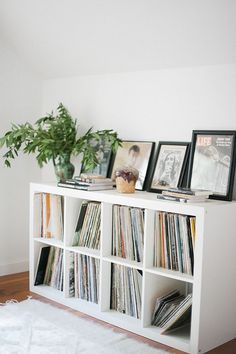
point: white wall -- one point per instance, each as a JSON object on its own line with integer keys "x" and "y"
{"x": 164, "y": 104}
{"x": 20, "y": 93}
{"x": 108, "y": 36}
{"x": 151, "y": 105}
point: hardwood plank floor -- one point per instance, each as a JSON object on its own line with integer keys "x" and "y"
{"x": 16, "y": 286}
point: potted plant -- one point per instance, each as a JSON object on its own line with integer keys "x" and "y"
{"x": 54, "y": 138}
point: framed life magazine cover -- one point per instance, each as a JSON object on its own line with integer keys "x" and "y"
{"x": 104, "y": 155}
{"x": 169, "y": 168}
{"x": 212, "y": 162}
{"x": 134, "y": 154}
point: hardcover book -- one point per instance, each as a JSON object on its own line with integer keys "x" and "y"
{"x": 189, "y": 191}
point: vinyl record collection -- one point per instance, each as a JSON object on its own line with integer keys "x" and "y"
{"x": 174, "y": 242}
{"x": 87, "y": 233}
{"x": 127, "y": 232}
{"x": 84, "y": 277}
{"x": 126, "y": 290}
{"x": 48, "y": 216}
{"x": 50, "y": 267}
{"x": 172, "y": 311}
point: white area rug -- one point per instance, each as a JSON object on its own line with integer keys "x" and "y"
{"x": 33, "y": 327}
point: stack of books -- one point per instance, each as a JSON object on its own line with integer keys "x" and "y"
{"x": 88, "y": 183}
{"x": 185, "y": 195}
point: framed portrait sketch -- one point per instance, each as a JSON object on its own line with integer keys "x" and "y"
{"x": 170, "y": 165}
{"x": 212, "y": 162}
{"x": 104, "y": 155}
{"x": 135, "y": 154}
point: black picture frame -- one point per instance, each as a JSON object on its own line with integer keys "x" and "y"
{"x": 141, "y": 151}
{"x": 212, "y": 162}
{"x": 172, "y": 153}
{"x": 104, "y": 156}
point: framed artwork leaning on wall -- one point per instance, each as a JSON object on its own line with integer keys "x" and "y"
{"x": 104, "y": 155}
{"x": 169, "y": 168}
{"x": 212, "y": 162}
{"x": 134, "y": 154}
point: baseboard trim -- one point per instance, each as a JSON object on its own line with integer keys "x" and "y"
{"x": 12, "y": 268}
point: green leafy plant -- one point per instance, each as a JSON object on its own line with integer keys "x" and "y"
{"x": 53, "y": 137}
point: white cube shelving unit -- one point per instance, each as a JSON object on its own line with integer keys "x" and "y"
{"x": 213, "y": 285}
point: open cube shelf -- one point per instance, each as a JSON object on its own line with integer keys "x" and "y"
{"x": 213, "y": 318}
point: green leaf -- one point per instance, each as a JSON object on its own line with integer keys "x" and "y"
{"x": 54, "y": 135}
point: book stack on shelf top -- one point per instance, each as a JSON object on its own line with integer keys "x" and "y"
{"x": 185, "y": 195}
{"x": 88, "y": 182}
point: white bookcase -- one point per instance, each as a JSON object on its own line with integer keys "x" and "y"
{"x": 213, "y": 320}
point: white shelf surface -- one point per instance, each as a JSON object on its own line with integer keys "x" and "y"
{"x": 82, "y": 305}
{"x": 84, "y": 250}
{"x": 49, "y": 292}
{"x": 124, "y": 262}
{"x": 139, "y": 199}
{"x": 173, "y": 274}
{"x": 178, "y": 339}
{"x": 123, "y": 317}
{"x": 50, "y": 241}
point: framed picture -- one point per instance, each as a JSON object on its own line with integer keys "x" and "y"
{"x": 170, "y": 165}
{"x": 104, "y": 155}
{"x": 135, "y": 154}
{"x": 212, "y": 162}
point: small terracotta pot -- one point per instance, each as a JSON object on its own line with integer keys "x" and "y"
{"x": 124, "y": 186}
{"x": 126, "y": 179}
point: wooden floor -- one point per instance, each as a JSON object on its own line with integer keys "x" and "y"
{"x": 16, "y": 287}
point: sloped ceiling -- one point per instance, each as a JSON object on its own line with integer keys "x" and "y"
{"x": 79, "y": 37}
